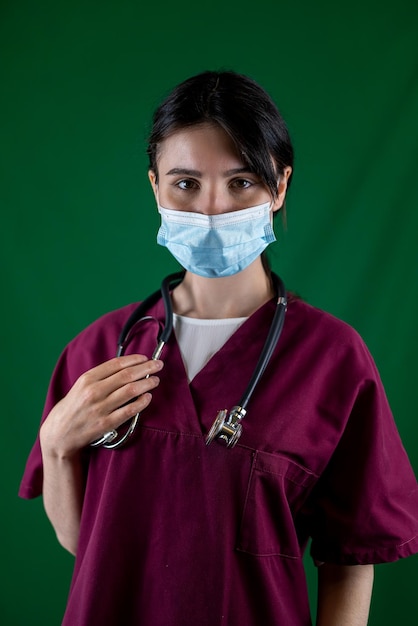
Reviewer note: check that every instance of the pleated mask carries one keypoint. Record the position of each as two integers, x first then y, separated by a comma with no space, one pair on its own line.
216,245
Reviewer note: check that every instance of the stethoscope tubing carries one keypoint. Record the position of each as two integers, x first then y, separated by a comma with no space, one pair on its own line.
272,338
111,440
140,312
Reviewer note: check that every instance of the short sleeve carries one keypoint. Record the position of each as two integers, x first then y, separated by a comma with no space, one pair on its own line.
31,484
364,508
95,344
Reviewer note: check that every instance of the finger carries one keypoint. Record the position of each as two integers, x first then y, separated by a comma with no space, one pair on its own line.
95,406
125,413
111,367
126,377
119,416
93,386
136,364
129,393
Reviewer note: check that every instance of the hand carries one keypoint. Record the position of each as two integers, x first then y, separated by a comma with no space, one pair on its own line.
97,403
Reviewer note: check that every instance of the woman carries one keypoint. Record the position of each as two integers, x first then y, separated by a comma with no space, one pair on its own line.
168,530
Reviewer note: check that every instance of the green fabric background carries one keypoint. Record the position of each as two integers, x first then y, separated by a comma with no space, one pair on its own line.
79,81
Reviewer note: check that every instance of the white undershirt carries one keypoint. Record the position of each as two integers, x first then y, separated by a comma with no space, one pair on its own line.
200,339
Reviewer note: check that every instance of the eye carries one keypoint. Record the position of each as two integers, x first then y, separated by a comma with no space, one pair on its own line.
186,184
241,183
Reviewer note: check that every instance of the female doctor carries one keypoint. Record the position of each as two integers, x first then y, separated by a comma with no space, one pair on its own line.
170,531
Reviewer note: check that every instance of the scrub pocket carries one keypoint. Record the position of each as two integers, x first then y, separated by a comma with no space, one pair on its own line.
277,489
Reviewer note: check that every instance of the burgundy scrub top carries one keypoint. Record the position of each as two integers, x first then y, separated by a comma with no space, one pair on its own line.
175,533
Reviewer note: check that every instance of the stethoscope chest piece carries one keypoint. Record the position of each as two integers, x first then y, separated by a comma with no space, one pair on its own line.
227,427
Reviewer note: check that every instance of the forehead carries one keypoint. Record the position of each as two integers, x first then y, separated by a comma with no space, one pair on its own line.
204,143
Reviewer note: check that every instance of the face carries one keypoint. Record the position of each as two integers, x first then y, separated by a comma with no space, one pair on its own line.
200,170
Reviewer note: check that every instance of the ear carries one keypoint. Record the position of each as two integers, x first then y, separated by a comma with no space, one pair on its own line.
153,180
282,188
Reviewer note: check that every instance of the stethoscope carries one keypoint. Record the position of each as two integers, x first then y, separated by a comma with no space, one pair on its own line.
227,427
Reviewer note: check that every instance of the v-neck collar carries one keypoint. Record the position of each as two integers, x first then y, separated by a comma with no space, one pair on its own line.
218,385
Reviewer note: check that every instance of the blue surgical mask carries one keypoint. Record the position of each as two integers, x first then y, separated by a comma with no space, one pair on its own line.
216,245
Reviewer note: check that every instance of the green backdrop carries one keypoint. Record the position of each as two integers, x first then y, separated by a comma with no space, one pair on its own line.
79,80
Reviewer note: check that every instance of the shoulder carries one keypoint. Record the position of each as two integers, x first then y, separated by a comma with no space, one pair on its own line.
110,323
310,319
326,337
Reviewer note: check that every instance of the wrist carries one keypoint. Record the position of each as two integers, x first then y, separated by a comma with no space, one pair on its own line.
54,447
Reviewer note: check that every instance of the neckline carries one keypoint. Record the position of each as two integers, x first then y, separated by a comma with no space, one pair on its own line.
202,321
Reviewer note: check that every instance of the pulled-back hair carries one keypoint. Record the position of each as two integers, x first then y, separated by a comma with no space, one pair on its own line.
238,105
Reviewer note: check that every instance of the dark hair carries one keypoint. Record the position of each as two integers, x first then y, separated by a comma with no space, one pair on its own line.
241,107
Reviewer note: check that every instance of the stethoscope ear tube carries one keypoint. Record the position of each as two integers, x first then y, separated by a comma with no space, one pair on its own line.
140,312
112,440
168,283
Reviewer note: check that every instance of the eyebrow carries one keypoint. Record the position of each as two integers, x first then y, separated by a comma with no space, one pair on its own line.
182,171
